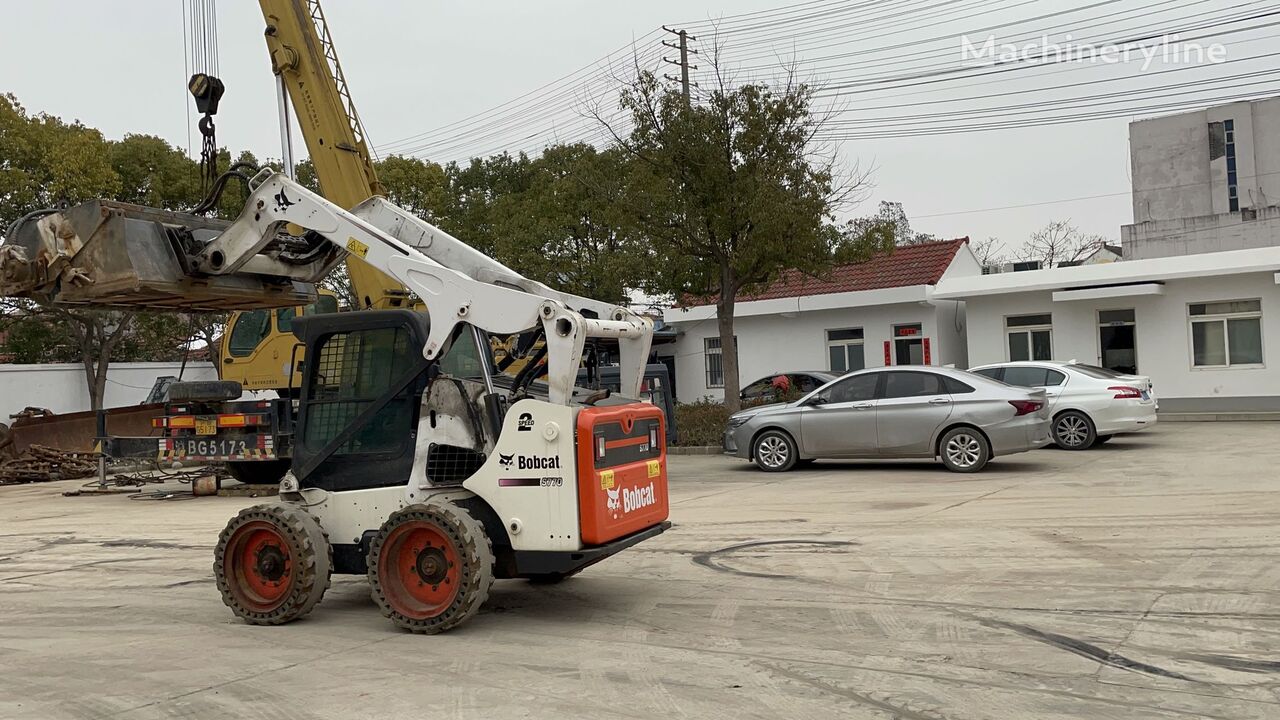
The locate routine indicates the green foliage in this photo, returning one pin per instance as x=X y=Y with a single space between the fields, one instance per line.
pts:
x=46 y=162
x=154 y=173
x=731 y=192
x=888 y=227
x=701 y=423
x=415 y=185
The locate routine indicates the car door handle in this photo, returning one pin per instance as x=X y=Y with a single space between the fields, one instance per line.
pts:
x=939 y=401
x=863 y=406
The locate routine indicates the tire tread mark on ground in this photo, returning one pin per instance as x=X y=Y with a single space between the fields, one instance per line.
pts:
x=1231 y=662
x=708 y=559
x=1086 y=650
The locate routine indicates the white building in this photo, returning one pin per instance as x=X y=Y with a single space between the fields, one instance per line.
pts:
x=61 y=387
x=1205 y=328
x=1205 y=181
x=870 y=314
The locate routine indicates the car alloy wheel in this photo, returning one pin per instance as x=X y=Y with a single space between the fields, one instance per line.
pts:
x=773 y=451
x=1072 y=431
x=963 y=450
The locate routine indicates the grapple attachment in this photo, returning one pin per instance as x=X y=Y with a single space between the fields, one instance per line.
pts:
x=111 y=254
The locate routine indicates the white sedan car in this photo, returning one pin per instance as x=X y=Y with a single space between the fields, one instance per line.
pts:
x=1088 y=404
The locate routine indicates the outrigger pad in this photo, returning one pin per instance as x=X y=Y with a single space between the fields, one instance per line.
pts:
x=111 y=254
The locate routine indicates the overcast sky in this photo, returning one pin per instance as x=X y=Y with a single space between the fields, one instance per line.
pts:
x=415 y=65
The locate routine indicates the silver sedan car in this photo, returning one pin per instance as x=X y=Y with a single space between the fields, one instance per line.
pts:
x=895 y=412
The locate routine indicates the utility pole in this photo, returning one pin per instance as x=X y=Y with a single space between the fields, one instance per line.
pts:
x=685 y=67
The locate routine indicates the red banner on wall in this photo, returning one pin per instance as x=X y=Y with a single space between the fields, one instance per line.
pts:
x=928 y=357
x=888 y=353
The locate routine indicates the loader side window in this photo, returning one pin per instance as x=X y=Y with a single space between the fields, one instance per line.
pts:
x=251 y=328
x=351 y=371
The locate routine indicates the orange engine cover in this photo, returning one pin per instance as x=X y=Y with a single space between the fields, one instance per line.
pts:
x=622 y=470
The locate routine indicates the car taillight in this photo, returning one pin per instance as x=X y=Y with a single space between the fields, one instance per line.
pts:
x=1124 y=392
x=1025 y=407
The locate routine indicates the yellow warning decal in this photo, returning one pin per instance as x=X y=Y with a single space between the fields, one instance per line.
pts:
x=655 y=468
x=606 y=479
x=356 y=247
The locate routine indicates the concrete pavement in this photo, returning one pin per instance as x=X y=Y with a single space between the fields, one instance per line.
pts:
x=1138 y=580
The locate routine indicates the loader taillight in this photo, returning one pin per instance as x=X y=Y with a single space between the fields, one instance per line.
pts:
x=653 y=437
x=1025 y=407
x=600 y=447
x=1124 y=392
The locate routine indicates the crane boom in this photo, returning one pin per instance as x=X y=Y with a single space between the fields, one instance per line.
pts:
x=304 y=58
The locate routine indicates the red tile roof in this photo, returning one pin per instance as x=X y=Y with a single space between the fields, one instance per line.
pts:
x=907 y=265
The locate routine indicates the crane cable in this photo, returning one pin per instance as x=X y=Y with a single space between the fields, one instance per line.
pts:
x=202 y=49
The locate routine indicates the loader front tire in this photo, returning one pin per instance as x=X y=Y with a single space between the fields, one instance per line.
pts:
x=272 y=564
x=430 y=567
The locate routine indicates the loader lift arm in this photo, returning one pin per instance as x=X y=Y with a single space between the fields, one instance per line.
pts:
x=458 y=283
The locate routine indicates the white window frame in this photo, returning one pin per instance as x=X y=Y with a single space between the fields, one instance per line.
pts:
x=1223 y=318
x=846 y=344
x=707 y=352
x=1028 y=329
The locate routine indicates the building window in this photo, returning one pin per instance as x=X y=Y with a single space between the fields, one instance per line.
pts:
x=844 y=351
x=1226 y=334
x=908 y=344
x=1233 y=187
x=714 y=360
x=1030 y=337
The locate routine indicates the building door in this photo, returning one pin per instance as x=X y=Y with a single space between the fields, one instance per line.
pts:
x=1118 y=341
x=908 y=344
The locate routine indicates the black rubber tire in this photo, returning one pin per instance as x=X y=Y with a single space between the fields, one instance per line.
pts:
x=774 y=451
x=258 y=472
x=469 y=543
x=308 y=551
x=1102 y=439
x=1073 y=430
x=959 y=444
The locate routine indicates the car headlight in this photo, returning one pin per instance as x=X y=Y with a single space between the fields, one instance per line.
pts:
x=736 y=421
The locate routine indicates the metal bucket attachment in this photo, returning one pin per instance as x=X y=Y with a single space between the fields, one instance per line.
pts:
x=110 y=254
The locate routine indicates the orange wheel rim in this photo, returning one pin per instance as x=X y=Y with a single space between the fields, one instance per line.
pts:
x=261 y=566
x=419 y=570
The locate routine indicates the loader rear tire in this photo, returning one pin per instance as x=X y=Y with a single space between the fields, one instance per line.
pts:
x=430 y=567
x=272 y=564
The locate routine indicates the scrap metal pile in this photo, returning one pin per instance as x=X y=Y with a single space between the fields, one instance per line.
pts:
x=45 y=464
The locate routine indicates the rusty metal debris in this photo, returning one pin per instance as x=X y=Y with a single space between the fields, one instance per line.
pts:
x=45 y=464
x=7 y=448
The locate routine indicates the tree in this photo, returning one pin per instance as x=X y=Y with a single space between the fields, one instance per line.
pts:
x=990 y=251
x=892 y=218
x=46 y=162
x=565 y=228
x=154 y=173
x=729 y=191
x=1060 y=242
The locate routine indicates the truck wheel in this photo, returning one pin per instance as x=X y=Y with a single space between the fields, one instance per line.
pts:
x=272 y=564
x=430 y=567
x=258 y=472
